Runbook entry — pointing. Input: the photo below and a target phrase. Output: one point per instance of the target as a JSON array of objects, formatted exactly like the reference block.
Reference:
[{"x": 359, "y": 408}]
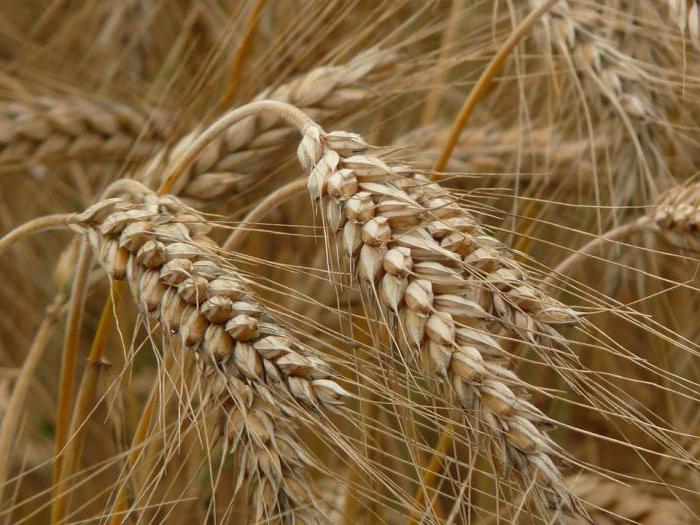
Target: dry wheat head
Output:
[
  {"x": 610, "y": 503},
  {"x": 592, "y": 52},
  {"x": 72, "y": 127},
  {"x": 251, "y": 366},
  {"x": 440, "y": 279}
]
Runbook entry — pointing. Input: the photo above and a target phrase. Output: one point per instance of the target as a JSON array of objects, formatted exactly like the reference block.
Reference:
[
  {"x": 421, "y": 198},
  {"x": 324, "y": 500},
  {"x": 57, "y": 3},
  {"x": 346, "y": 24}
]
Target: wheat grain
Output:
[
  {"x": 251, "y": 367},
  {"x": 228, "y": 165},
  {"x": 74, "y": 127},
  {"x": 439, "y": 277}
]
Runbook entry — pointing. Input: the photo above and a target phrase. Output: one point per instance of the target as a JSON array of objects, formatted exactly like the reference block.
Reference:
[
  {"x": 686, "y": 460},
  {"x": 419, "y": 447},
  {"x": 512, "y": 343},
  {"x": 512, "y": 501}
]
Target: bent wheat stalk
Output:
[
  {"x": 228, "y": 163},
  {"x": 484, "y": 83},
  {"x": 251, "y": 367},
  {"x": 15, "y": 407}
]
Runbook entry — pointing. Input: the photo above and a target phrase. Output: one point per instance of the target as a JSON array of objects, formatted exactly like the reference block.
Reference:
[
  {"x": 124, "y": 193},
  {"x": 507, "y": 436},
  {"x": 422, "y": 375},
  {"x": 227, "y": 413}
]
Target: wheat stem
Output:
[
  {"x": 15, "y": 406},
  {"x": 281, "y": 109},
  {"x": 242, "y": 53},
  {"x": 616, "y": 234},
  {"x": 484, "y": 82},
  {"x": 235, "y": 240},
  {"x": 49, "y": 222},
  {"x": 432, "y": 101},
  {"x": 119, "y": 511},
  {"x": 74, "y": 323},
  {"x": 430, "y": 476},
  {"x": 85, "y": 403}
]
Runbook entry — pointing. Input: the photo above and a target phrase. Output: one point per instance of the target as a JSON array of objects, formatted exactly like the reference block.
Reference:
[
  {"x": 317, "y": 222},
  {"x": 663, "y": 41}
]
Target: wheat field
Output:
[{"x": 350, "y": 262}]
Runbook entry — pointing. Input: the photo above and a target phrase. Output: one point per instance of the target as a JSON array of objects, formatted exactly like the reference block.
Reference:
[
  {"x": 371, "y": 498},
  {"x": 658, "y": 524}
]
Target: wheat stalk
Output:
[
  {"x": 230, "y": 163},
  {"x": 439, "y": 277},
  {"x": 251, "y": 367},
  {"x": 75, "y": 127},
  {"x": 612, "y": 503}
]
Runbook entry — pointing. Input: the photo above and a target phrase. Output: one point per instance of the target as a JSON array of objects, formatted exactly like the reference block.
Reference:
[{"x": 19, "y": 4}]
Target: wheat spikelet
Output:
[
  {"x": 229, "y": 163},
  {"x": 440, "y": 279},
  {"x": 677, "y": 215},
  {"x": 251, "y": 367},
  {"x": 610, "y": 503},
  {"x": 73, "y": 127}
]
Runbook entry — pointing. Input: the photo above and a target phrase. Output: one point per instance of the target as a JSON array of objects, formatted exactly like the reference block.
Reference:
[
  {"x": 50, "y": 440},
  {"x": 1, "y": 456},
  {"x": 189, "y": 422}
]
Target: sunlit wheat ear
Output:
[
  {"x": 439, "y": 279},
  {"x": 612, "y": 503},
  {"x": 230, "y": 163},
  {"x": 491, "y": 149},
  {"x": 593, "y": 53},
  {"x": 686, "y": 15},
  {"x": 677, "y": 215},
  {"x": 251, "y": 366},
  {"x": 73, "y": 127}
]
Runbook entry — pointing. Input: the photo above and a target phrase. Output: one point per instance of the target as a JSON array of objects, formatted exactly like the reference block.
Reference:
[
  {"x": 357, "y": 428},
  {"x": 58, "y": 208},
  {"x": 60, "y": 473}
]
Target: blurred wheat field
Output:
[{"x": 350, "y": 261}]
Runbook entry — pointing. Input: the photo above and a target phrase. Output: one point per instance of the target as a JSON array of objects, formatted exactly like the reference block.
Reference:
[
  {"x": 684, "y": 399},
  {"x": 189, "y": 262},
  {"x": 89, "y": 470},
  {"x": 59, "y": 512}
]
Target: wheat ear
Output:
[
  {"x": 593, "y": 54},
  {"x": 72, "y": 127},
  {"x": 613, "y": 503},
  {"x": 438, "y": 276},
  {"x": 430, "y": 259},
  {"x": 230, "y": 162},
  {"x": 251, "y": 367}
]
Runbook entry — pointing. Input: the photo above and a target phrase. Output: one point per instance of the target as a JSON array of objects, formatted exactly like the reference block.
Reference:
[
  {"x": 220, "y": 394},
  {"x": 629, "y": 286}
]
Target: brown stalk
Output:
[
  {"x": 15, "y": 406},
  {"x": 241, "y": 54},
  {"x": 432, "y": 101},
  {"x": 85, "y": 404},
  {"x": 274, "y": 199},
  {"x": 38, "y": 225},
  {"x": 485, "y": 80},
  {"x": 430, "y": 475},
  {"x": 119, "y": 510},
  {"x": 71, "y": 342}
]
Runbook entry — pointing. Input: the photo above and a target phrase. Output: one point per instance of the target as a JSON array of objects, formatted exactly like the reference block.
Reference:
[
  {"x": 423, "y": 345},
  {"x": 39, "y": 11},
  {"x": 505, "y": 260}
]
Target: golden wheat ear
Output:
[
  {"x": 250, "y": 365},
  {"x": 68, "y": 128},
  {"x": 611, "y": 502},
  {"x": 431, "y": 266}
]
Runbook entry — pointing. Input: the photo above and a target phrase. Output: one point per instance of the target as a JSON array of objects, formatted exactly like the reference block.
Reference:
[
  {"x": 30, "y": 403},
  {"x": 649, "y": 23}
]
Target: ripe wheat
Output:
[
  {"x": 75, "y": 127},
  {"x": 251, "y": 367},
  {"x": 441, "y": 279},
  {"x": 610, "y": 503}
]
